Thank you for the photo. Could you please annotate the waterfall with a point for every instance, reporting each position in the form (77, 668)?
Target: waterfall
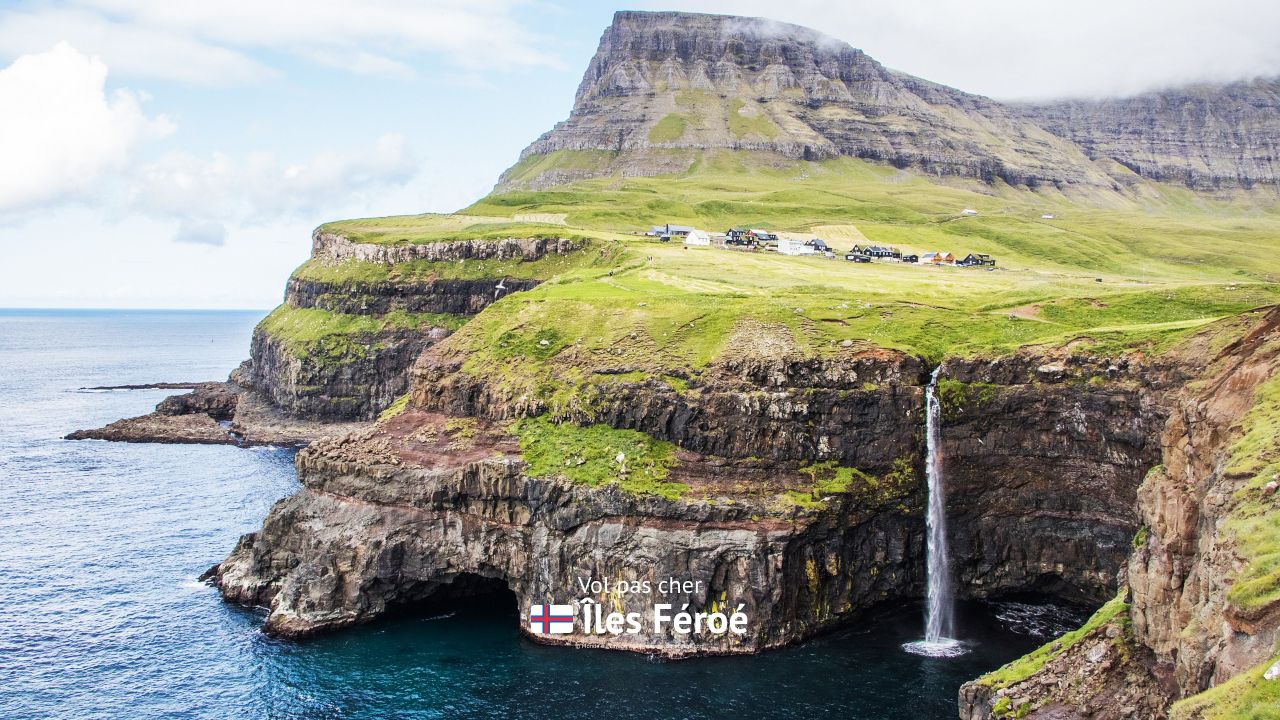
(939, 620)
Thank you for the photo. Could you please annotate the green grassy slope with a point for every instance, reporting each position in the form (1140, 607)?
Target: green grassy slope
(1113, 272)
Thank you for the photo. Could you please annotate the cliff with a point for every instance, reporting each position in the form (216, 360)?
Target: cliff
(1203, 136)
(1201, 607)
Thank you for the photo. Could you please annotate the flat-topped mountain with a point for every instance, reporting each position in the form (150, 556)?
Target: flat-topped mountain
(664, 86)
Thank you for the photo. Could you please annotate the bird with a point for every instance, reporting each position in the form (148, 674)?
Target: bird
(497, 289)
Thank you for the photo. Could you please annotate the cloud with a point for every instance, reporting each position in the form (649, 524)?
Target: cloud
(1020, 49)
(214, 43)
(129, 48)
(60, 132)
(260, 188)
(198, 232)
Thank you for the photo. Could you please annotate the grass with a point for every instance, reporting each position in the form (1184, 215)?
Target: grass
(1246, 696)
(829, 478)
(1109, 274)
(328, 338)
(598, 455)
(430, 228)
(668, 129)
(1254, 522)
(753, 124)
(1031, 663)
(594, 254)
(399, 406)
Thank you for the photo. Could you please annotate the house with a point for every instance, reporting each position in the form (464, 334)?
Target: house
(968, 211)
(794, 246)
(819, 246)
(668, 231)
(910, 258)
(937, 258)
(1046, 216)
(738, 236)
(857, 257)
(697, 237)
(763, 236)
(877, 251)
(973, 259)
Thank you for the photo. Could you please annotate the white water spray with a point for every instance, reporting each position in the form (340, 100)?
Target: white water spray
(939, 620)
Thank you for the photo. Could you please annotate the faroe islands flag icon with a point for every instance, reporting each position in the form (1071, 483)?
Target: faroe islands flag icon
(550, 619)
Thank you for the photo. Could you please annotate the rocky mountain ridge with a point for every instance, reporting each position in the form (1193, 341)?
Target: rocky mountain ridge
(664, 86)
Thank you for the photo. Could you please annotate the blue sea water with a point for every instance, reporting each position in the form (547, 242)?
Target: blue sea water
(101, 615)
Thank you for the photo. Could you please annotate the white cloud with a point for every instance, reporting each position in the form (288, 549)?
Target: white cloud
(60, 132)
(1021, 49)
(261, 188)
(129, 48)
(201, 232)
(199, 41)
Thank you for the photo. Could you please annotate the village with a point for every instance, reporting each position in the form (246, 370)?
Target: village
(803, 244)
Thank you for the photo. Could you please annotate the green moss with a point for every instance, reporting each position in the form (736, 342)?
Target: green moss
(1140, 538)
(830, 478)
(598, 455)
(680, 385)
(743, 126)
(1254, 523)
(668, 129)
(955, 396)
(1247, 696)
(1031, 663)
(326, 338)
(399, 406)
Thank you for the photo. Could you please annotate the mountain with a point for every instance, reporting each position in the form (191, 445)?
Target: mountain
(664, 87)
(1204, 136)
(680, 81)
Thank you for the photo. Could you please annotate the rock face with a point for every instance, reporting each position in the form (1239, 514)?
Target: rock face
(1204, 136)
(1180, 632)
(861, 409)
(393, 517)
(397, 515)
(1043, 457)
(664, 82)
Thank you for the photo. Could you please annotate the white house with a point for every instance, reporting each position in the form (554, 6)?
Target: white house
(968, 211)
(794, 246)
(697, 237)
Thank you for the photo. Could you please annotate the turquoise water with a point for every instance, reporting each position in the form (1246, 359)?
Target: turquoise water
(101, 616)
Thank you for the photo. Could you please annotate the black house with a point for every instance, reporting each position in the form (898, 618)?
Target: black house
(975, 259)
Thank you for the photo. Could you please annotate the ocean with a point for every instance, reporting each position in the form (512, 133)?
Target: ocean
(101, 615)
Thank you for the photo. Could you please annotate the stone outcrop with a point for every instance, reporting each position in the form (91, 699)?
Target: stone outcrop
(218, 413)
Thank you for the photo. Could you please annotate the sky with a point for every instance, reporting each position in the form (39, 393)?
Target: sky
(178, 153)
